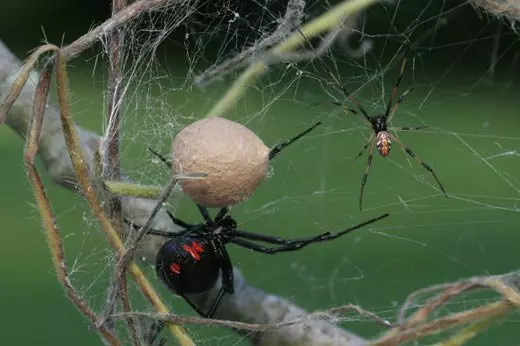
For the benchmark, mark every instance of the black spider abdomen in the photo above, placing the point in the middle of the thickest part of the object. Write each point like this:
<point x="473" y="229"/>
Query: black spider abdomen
<point x="187" y="265"/>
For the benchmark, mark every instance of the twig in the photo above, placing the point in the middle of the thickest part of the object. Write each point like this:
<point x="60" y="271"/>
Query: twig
<point x="329" y="314"/>
<point x="128" y="14"/>
<point x="465" y="334"/>
<point x="120" y="268"/>
<point x="417" y="326"/>
<point x="51" y="230"/>
<point x="111" y="165"/>
<point x="486" y="312"/>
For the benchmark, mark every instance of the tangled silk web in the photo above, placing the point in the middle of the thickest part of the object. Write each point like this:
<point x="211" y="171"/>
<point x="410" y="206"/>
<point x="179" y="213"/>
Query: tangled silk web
<point x="462" y="67"/>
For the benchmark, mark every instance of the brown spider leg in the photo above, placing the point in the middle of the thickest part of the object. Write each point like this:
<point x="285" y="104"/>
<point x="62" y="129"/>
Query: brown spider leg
<point x="396" y="85"/>
<point x="420" y="161"/>
<point x="365" y="176"/>
<point x="161" y="157"/>
<point x="348" y="109"/>
<point x="352" y="99"/>
<point x="397" y="104"/>
<point x="365" y="147"/>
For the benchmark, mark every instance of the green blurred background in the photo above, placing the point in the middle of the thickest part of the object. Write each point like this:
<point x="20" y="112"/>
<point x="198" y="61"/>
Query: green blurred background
<point x="472" y="144"/>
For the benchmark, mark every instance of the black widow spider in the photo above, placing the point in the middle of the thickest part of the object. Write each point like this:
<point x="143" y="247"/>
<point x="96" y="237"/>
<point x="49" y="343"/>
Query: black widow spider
<point x="191" y="260"/>
<point x="380" y="137"/>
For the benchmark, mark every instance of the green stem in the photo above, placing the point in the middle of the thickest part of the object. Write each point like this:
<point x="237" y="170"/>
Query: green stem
<point x="121" y="188"/>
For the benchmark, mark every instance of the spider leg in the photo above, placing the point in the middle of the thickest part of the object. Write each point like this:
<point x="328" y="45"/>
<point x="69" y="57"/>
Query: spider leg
<point x="153" y="332"/>
<point x="279" y="147"/>
<point x="351" y="98"/>
<point x="348" y="109"/>
<point x="365" y="176"/>
<point x="223" y="212"/>
<point x="165" y="234"/>
<point x="179" y="222"/>
<point x="420" y="161"/>
<point x="396" y="86"/>
<point x="406" y="128"/>
<point x="291" y="244"/>
<point x="259" y="248"/>
<point x="365" y="147"/>
<point x="161" y="157"/>
<point x="195" y="307"/>
<point x="205" y="214"/>
<point x="260" y="237"/>
<point x="397" y="104"/>
<point x="228" y="281"/>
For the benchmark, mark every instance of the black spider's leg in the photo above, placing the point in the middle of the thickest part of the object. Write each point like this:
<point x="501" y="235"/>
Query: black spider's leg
<point x="348" y="109"/>
<point x="279" y="147"/>
<point x="165" y="234"/>
<point x="228" y="281"/>
<point x="365" y="147"/>
<point x="259" y="248"/>
<point x="153" y="332"/>
<point x="420" y="161"/>
<point x="406" y="128"/>
<point x="290" y="244"/>
<point x="397" y="104"/>
<point x="161" y="157"/>
<point x="365" y="176"/>
<point x="179" y="222"/>
<point x="205" y="214"/>
<point x="396" y="85"/>
<point x="193" y="306"/>
<point x="223" y="212"/>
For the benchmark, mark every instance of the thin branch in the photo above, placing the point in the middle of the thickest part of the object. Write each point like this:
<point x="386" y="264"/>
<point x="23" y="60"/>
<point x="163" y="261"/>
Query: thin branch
<point x="111" y="163"/>
<point x="51" y="230"/>
<point x="124" y="16"/>
<point x="330" y="314"/>
<point x="124" y="260"/>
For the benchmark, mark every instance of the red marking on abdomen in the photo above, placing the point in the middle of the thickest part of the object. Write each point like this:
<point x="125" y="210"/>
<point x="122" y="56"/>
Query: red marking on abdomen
<point x="194" y="250"/>
<point x="175" y="268"/>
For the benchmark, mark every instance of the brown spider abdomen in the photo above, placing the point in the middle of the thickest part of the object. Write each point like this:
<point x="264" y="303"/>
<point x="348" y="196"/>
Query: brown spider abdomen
<point x="383" y="143"/>
<point x="232" y="156"/>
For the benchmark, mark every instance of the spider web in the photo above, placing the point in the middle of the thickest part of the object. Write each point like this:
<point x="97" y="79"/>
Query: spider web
<point x="462" y="67"/>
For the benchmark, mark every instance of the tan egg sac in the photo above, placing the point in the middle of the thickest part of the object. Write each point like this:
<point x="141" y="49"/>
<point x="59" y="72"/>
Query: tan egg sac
<point x="234" y="158"/>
